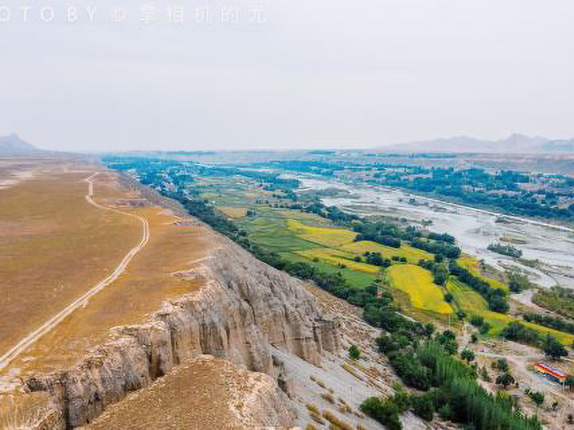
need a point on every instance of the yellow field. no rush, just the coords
(332, 237)
(413, 255)
(473, 266)
(338, 257)
(301, 216)
(468, 299)
(232, 212)
(473, 304)
(564, 338)
(417, 283)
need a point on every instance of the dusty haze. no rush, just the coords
(298, 74)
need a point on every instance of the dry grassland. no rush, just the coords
(147, 282)
(54, 246)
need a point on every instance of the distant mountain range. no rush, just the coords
(516, 143)
(13, 144)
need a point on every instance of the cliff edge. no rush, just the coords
(243, 312)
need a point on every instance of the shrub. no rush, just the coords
(506, 379)
(423, 407)
(467, 355)
(385, 412)
(354, 352)
(477, 320)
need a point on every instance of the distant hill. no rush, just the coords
(13, 144)
(516, 143)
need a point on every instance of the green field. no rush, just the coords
(331, 237)
(338, 257)
(473, 304)
(355, 278)
(305, 237)
(413, 255)
(473, 266)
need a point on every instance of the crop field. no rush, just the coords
(233, 211)
(272, 234)
(473, 304)
(339, 257)
(417, 283)
(355, 278)
(305, 237)
(303, 216)
(331, 237)
(473, 266)
(413, 255)
(468, 299)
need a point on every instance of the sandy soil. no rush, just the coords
(147, 282)
(83, 300)
(47, 228)
(521, 359)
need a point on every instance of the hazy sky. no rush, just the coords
(288, 74)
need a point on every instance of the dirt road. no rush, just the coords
(33, 337)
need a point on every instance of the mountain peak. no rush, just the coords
(515, 143)
(13, 144)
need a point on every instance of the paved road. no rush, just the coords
(33, 337)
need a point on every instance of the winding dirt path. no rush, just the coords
(34, 336)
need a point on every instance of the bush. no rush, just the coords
(410, 370)
(385, 412)
(553, 349)
(477, 320)
(506, 379)
(423, 407)
(354, 352)
(467, 355)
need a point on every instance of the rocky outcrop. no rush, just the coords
(202, 393)
(245, 309)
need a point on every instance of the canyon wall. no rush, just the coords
(244, 311)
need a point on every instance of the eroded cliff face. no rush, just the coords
(244, 311)
(224, 397)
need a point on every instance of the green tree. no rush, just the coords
(501, 364)
(554, 349)
(477, 320)
(423, 407)
(354, 352)
(467, 355)
(485, 328)
(506, 379)
(537, 398)
(386, 412)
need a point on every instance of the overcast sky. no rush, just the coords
(288, 74)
